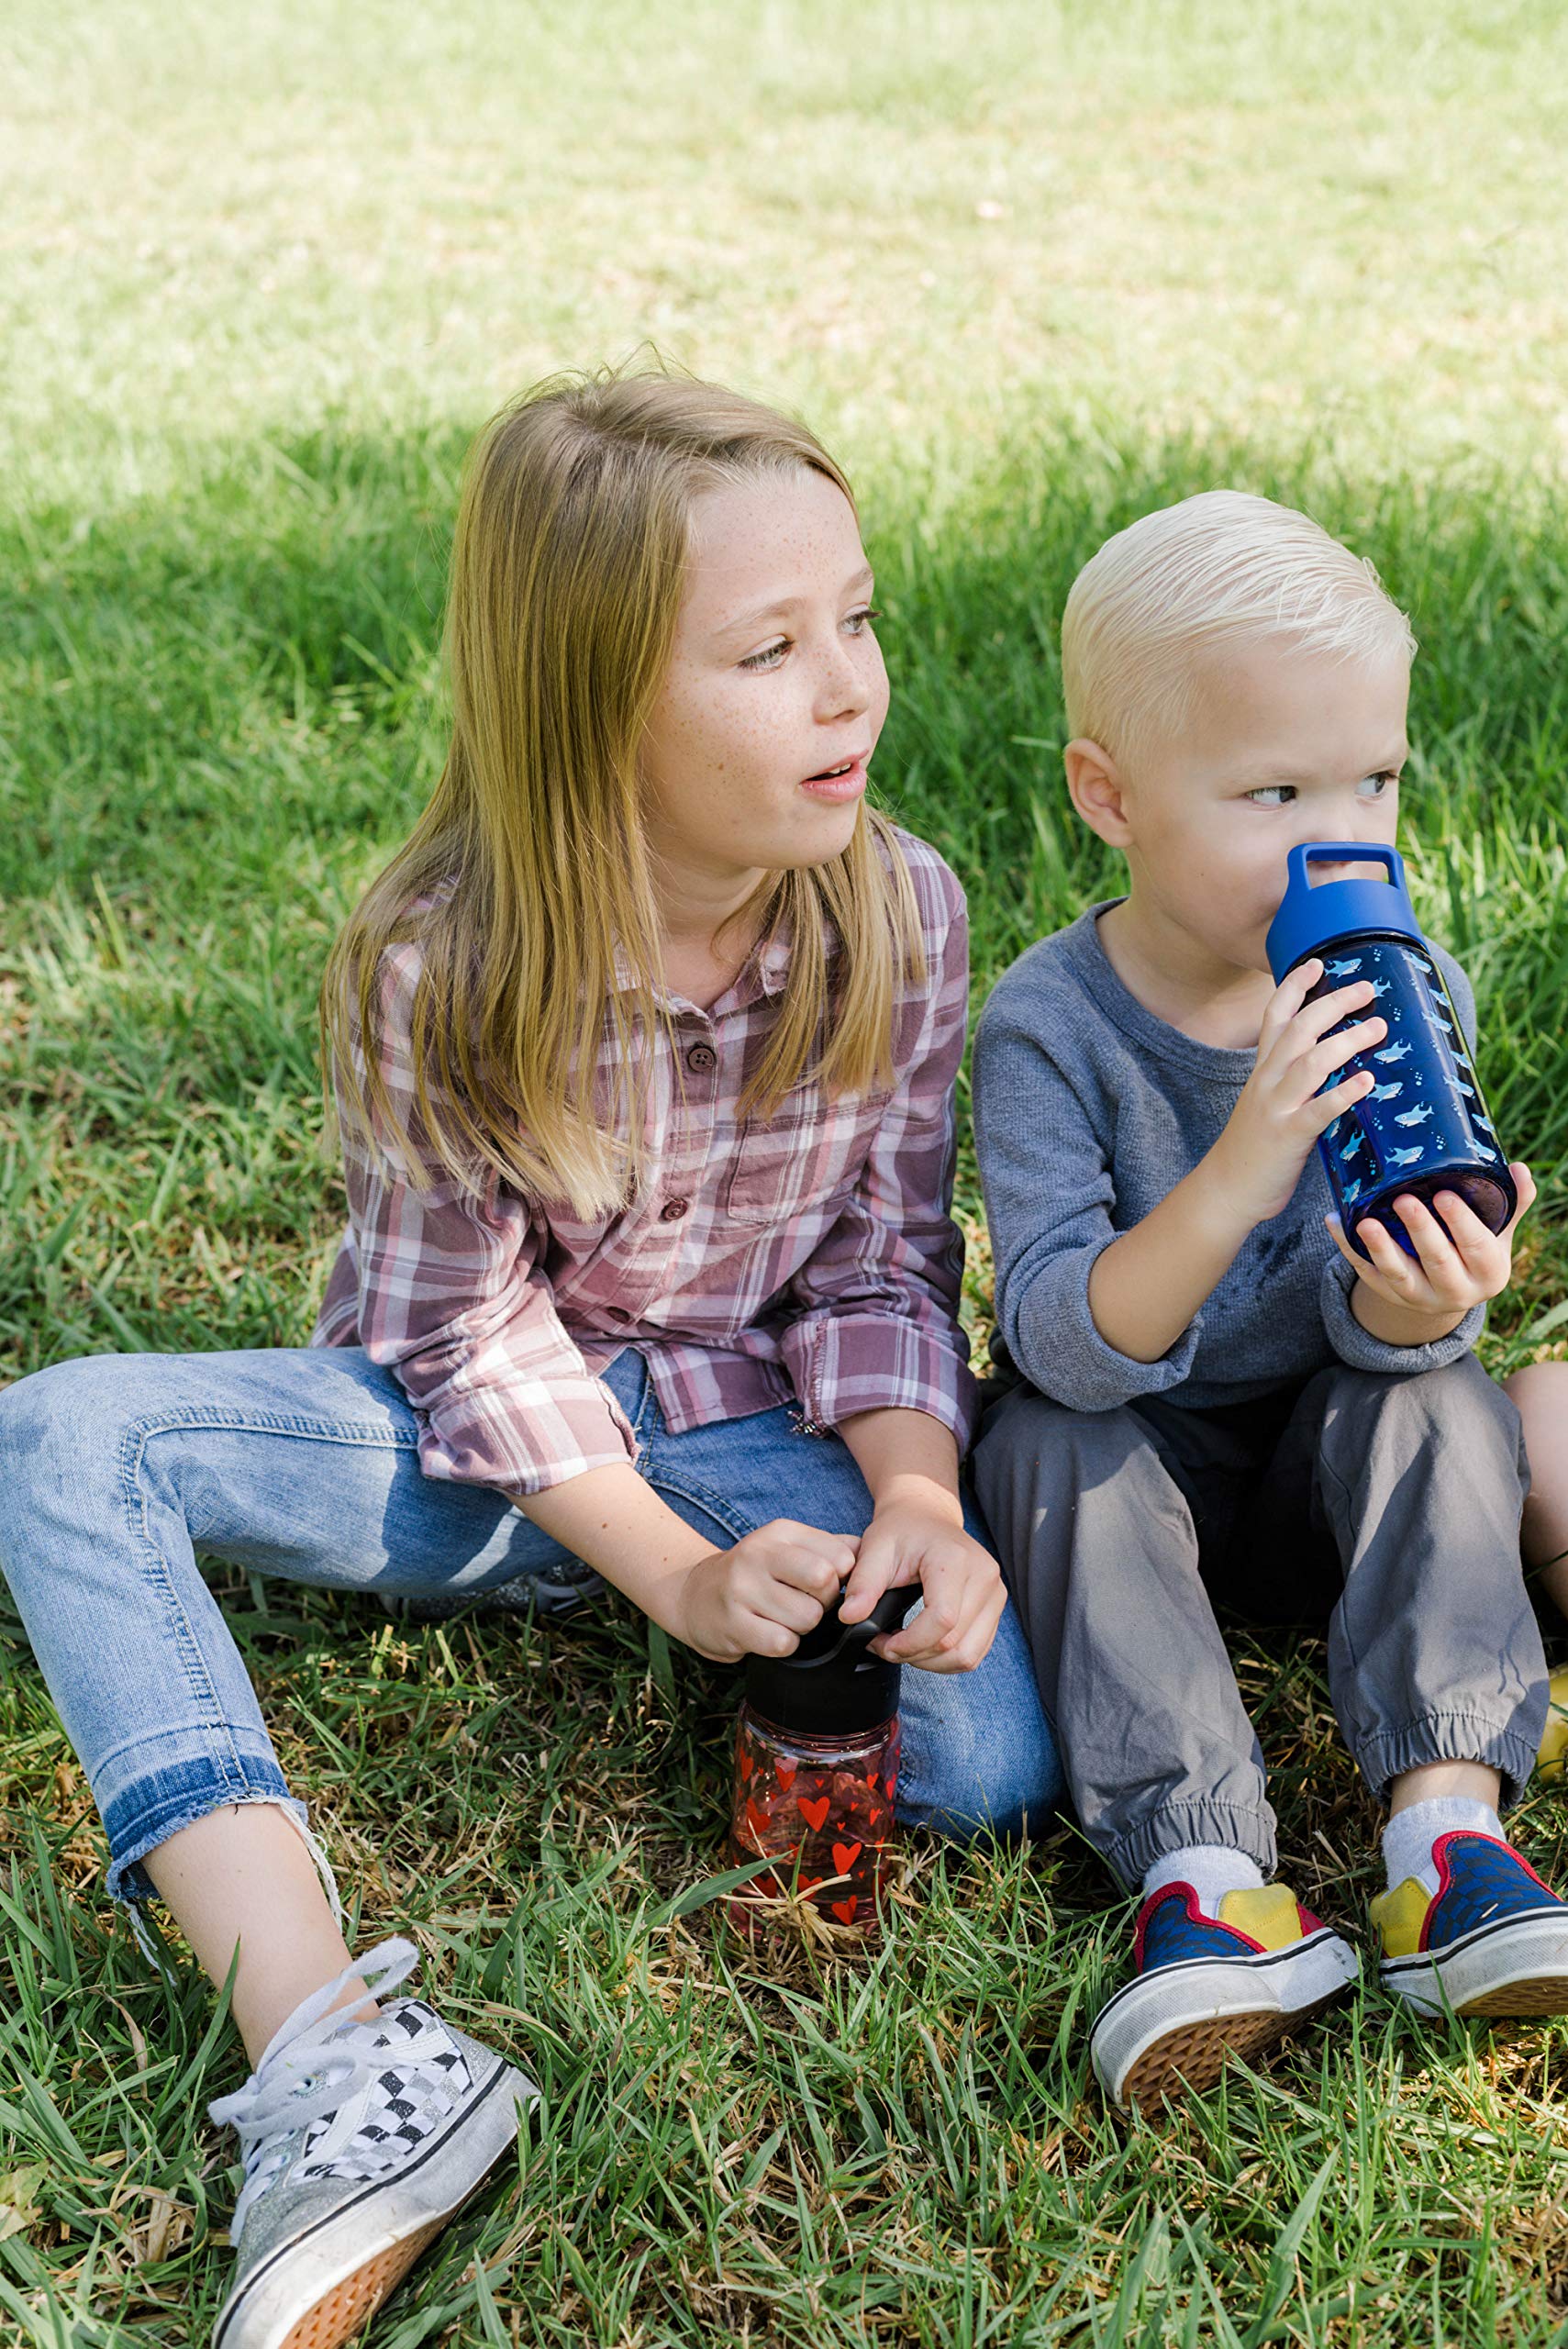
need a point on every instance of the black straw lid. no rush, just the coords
(830, 1685)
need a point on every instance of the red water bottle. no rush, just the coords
(817, 1767)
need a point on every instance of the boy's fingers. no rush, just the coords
(1287, 998)
(1339, 1098)
(1400, 1270)
(1435, 1247)
(1331, 1054)
(1353, 1001)
(1336, 1231)
(1465, 1227)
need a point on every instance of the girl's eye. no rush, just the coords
(859, 620)
(767, 658)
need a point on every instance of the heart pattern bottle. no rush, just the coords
(817, 1769)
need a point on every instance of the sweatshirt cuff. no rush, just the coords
(1361, 1350)
(843, 1363)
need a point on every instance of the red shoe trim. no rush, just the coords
(1195, 1916)
(1445, 1874)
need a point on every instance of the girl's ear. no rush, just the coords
(1096, 788)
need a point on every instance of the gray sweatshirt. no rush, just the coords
(1088, 1110)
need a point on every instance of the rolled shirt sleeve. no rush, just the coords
(876, 1305)
(451, 1299)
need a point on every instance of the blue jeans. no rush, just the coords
(300, 1462)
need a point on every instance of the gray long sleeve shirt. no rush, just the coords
(1088, 1110)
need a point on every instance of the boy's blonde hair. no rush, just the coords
(527, 883)
(1224, 567)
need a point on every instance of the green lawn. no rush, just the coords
(1032, 269)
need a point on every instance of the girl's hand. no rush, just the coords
(757, 1599)
(1453, 1269)
(1270, 1131)
(961, 1583)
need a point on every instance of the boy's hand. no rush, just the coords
(1268, 1137)
(1453, 1269)
(908, 1541)
(757, 1599)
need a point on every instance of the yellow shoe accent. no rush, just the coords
(1399, 1916)
(1554, 1756)
(1269, 1915)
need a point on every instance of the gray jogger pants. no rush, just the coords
(1387, 1507)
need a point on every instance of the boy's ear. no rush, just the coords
(1095, 787)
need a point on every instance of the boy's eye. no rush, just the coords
(1262, 794)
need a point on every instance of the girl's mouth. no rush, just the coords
(846, 780)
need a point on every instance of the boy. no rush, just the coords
(1222, 1403)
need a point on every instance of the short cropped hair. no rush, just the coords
(1224, 567)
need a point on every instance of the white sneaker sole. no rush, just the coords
(316, 2290)
(1174, 2028)
(1518, 1966)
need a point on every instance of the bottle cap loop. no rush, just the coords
(1312, 917)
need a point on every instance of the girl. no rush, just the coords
(644, 1048)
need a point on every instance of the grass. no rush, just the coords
(263, 279)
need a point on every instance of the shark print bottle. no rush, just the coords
(1423, 1127)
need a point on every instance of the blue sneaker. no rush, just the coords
(1492, 1939)
(1211, 1987)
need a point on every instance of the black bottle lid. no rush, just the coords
(830, 1685)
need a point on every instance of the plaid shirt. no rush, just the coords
(811, 1253)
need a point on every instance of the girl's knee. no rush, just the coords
(65, 1415)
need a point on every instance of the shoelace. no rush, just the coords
(309, 2069)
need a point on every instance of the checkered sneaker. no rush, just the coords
(359, 2141)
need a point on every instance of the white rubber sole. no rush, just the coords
(315, 2290)
(1516, 1968)
(1174, 2028)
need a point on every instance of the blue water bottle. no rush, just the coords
(1423, 1128)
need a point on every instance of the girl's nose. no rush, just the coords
(842, 691)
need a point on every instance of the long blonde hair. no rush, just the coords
(525, 882)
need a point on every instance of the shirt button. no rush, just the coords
(672, 1210)
(701, 1058)
(617, 1313)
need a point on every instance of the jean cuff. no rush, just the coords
(1179, 1824)
(1502, 1747)
(147, 1810)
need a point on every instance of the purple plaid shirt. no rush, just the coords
(811, 1253)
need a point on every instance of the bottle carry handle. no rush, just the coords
(853, 1639)
(885, 1616)
(1342, 852)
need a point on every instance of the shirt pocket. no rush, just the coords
(801, 1159)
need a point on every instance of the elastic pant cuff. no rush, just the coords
(1182, 1823)
(1449, 1737)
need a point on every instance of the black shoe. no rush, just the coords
(551, 1596)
